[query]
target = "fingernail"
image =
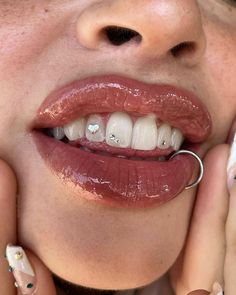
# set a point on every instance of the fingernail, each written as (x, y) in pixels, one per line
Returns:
(231, 167)
(21, 269)
(199, 292)
(217, 289)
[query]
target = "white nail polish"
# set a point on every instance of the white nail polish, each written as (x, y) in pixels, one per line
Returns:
(21, 269)
(217, 289)
(231, 167)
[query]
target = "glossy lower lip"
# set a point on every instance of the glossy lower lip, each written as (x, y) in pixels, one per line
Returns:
(107, 94)
(114, 181)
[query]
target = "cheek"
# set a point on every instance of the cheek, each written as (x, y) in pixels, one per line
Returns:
(218, 77)
(219, 69)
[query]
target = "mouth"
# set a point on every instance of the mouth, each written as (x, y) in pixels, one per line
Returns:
(111, 137)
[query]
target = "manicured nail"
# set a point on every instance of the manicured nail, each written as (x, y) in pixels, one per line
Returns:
(21, 269)
(199, 292)
(231, 167)
(217, 289)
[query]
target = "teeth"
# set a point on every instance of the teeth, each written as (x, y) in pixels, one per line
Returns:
(58, 133)
(177, 139)
(164, 136)
(119, 130)
(95, 129)
(145, 133)
(76, 129)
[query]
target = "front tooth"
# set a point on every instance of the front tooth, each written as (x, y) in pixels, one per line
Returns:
(164, 136)
(58, 133)
(76, 129)
(95, 128)
(145, 133)
(177, 139)
(119, 130)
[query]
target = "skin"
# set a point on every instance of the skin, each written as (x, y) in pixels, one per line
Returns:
(34, 35)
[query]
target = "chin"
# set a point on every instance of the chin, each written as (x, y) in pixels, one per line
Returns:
(102, 247)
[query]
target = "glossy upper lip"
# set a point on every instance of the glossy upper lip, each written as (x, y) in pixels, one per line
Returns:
(106, 94)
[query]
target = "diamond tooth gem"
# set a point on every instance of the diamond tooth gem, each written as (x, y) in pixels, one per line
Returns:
(177, 139)
(145, 133)
(75, 130)
(164, 136)
(95, 128)
(119, 130)
(58, 133)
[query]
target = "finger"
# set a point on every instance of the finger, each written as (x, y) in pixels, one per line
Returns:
(216, 290)
(7, 224)
(31, 275)
(203, 259)
(230, 259)
(44, 280)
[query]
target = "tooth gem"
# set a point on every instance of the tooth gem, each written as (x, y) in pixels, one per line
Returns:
(16, 285)
(113, 137)
(163, 143)
(93, 128)
(10, 269)
(18, 255)
(30, 285)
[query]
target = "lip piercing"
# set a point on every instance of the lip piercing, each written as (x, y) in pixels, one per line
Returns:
(195, 183)
(93, 128)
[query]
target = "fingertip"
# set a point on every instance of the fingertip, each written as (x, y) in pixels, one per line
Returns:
(44, 279)
(213, 188)
(217, 154)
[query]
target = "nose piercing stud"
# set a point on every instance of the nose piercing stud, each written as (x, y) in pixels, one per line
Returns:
(201, 172)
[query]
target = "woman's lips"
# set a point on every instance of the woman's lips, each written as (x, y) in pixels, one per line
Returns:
(115, 181)
(111, 180)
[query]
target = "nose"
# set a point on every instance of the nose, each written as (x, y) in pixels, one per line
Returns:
(147, 28)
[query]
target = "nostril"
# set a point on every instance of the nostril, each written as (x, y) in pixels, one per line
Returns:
(183, 49)
(119, 35)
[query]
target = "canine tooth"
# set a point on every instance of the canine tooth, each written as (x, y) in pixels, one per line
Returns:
(119, 130)
(58, 133)
(145, 133)
(177, 139)
(164, 136)
(95, 129)
(76, 129)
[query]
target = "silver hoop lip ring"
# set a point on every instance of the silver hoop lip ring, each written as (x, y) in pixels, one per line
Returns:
(201, 172)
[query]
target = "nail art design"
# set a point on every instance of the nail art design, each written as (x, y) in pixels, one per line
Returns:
(231, 167)
(21, 268)
(217, 289)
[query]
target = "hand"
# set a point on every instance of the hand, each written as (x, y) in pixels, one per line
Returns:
(8, 234)
(203, 260)
(209, 253)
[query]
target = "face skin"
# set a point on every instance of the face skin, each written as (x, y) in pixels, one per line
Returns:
(47, 44)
